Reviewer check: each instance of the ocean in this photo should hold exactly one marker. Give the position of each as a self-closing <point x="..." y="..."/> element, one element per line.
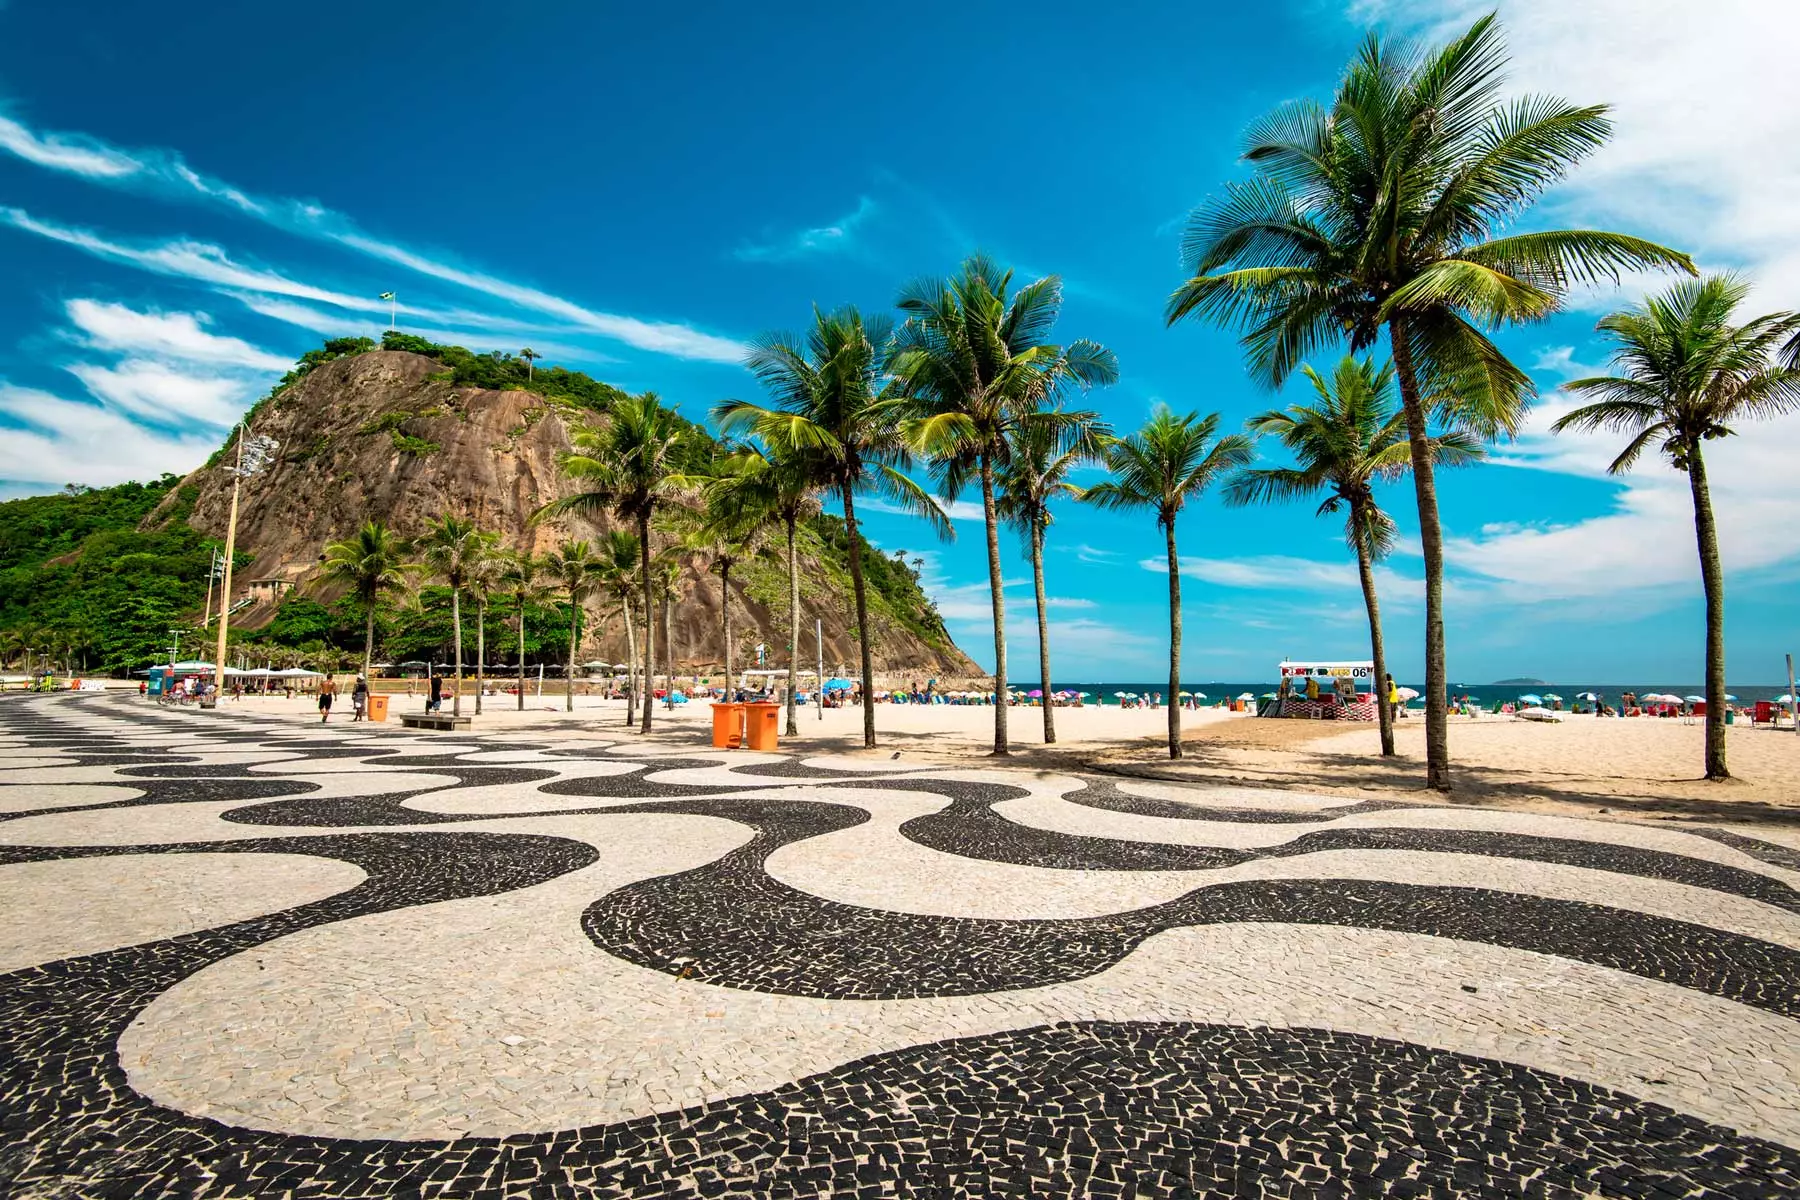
<point x="1485" y="694"/>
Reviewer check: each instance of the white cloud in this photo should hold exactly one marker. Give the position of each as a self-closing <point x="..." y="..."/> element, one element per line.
<point x="70" y="442"/>
<point x="166" y="395"/>
<point x="175" y="335"/>
<point x="166" y="172"/>
<point x="65" y="152"/>
<point x="838" y="236"/>
<point x="956" y="510"/>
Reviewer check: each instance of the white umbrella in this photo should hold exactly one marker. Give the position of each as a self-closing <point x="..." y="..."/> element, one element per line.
<point x="1406" y="693"/>
<point x="1537" y="713"/>
<point x="1248" y="696"/>
<point x="1784" y="699"/>
<point x="1199" y="695"/>
<point x="1587" y="696"/>
<point x="1551" y="696"/>
<point x="1694" y="699"/>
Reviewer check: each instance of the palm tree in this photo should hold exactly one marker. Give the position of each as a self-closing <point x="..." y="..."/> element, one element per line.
<point x="830" y="415"/>
<point x="373" y="563"/>
<point x="974" y="364"/>
<point x="574" y="565"/>
<point x="1040" y="455"/>
<point x="1384" y="212"/>
<point x="1161" y="467"/>
<point x="452" y="548"/>
<point x="523" y="583"/>
<point x="1685" y="375"/>
<point x="1350" y="438"/>
<point x="756" y="488"/>
<point x="629" y="468"/>
<point x="486" y="578"/>
<point x="530" y="356"/>
<point x="668" y="581"/>
<point x="618" y="572"/>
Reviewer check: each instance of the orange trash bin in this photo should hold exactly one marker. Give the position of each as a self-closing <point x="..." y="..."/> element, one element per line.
<point x="728" y="726"/>
<point x="762" y="724"/>
<point x="377" y="707"/>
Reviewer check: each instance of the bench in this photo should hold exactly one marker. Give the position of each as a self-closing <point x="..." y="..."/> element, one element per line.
<point x="439" y="721"/>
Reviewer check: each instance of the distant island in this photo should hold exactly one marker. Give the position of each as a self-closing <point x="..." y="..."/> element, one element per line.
<point x="1516" y="682"/>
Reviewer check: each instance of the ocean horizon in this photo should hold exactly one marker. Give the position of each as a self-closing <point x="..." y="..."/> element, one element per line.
<point x="1483" y="693"/>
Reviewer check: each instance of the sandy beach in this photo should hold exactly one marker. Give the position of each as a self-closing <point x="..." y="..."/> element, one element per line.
<point x="1630" y="767"/>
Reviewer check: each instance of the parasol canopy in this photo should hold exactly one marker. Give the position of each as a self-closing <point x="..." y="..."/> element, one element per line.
<point x="1406" y="693"/>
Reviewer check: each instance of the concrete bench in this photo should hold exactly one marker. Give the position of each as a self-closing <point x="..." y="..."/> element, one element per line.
<point x="440" y="721"/>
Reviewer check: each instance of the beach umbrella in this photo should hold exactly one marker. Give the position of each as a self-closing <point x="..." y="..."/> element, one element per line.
<point x="1784" y="699"/>
<point x="1037" y="693"/>
<point x="1084" y="695"/>
<point x="1197" y="695"/>
<point x="1587" y="695"/>
<point x="1184" y="695"/>
<point x="1406" y="693"/>
<point x="1729" y="696"/>
<point x="1531" y="698"/>
<point x="1268" y="695"/>
<point x="1248" y="696"/>
<point x="1693" y="699"/>
<point x="1121" y="695"/>
<point x="1551" y="696"/>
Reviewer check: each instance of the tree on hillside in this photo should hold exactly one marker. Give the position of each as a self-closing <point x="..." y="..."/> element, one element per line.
<point x="974" y="363"/>
<point x="374" y="564"/>
<point x="1350" y="438"/>
<point x="1382" y="213"/>
<point x="628" y="467"/>
<point x="1685" y="376"/>
<point x="574" y="565"/>
<point x="1040" y="454"/>
<point x="451" y="549"/>
<point x="828" y="414"/>
<point x="530" y="356"/>
<point x="1166" y="463"/>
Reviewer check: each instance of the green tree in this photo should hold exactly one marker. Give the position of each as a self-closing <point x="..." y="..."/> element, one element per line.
<point x="575" y="567"/>
<point x="1350" y="438"/>
<point x="486" y="578"/>
<point x="1040" y="455"/>
<point x="1168" y="462"/>
<point x="627" y="467"/>
<point x="830" y="415"/>
<point x="522" y="582"/>
<point x="374" y="564"/>
<point x="451" y="549"/>
<point x="1686" y="375"/>
<point x="530" y="356"/>
<point x="1383" y="212"/>
<point x="620" y="555"/>
<point x="974" y="362"/>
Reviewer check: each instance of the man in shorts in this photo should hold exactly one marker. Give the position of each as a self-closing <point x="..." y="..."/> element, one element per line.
<point x="327" y="690"/>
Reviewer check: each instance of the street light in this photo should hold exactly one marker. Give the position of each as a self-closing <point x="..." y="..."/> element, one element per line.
<point x="252" y="456"/>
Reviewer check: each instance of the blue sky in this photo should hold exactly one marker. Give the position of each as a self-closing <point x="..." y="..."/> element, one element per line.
<point x="191" y="197"/>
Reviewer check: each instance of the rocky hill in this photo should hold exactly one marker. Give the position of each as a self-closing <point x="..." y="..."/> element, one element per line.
<point x="393" y="435"/>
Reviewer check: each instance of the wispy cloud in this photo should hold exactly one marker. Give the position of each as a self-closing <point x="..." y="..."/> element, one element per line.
<point x="834" y="238"/>
<point x="164" y="172"/>
<point x="956" y="510"/>
<point x="106" y="326"/>
<point x="57" y="441"/>
<point x="163" y="395"/>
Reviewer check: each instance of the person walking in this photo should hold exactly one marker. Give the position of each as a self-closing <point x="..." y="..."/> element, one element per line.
<point x="327" y="691"/>
<point x="359" y="698"/>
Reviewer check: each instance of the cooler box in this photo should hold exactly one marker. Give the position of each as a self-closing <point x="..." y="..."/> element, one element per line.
<point x="728" y="726"/>
<point x="762" y="724"/>
<point x="378" y="706"/>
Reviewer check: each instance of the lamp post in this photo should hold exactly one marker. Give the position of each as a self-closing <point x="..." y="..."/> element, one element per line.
<point x="259" y="450"/>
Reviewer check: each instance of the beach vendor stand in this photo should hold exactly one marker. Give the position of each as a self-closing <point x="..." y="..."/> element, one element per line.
<point x="1345" y="691"/>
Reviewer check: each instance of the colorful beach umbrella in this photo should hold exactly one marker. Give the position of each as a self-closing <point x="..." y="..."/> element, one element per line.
<point x="1531" y="698"/>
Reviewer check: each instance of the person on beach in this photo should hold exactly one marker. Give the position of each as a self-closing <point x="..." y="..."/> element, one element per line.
<point x="1312" y="689"/>
<point x="437" y="693"/>
<point x="327" y="690"/>
<point x="359" y="698"/>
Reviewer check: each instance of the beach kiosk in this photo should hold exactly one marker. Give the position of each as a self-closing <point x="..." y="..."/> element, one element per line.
<point x="1345" y="691"/>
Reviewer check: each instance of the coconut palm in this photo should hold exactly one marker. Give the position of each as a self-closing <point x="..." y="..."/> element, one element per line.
<point x="1040" y="455"/>
<point x="1168" y="462"/>
<point x="451" y="548"/>
<point x="668" y="568"/>
<point x="1352" y="437"/>
<point x="1685" y="375"/>
<point x="629" y="467"/>
<point x="575" y="566"/>
<point x="374" y="564"/>
<point x="728" y="532"/>
<point x="756" y="488"/>
<point x="1384" y="212"/>
<point x="530" y="356"/>
<point x="618" y="574"/>
<point x="522" y="581"/>
<point x="486" y="580"/>
<point x="830" y="416"/>
<point x="974" y="362"/>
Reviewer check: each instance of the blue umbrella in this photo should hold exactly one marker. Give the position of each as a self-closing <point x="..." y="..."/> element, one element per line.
<point x="838" y="685"/>
<point x="1531" y="699"/>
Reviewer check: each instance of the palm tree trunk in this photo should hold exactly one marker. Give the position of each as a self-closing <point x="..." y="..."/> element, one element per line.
<point x="669" y="632"/>
<point x="631" y="655"/>
<point x="574" y="644"/>
<point x="1712" y="578"/>
<point x="480" y="649"/>
<point x="793" y="705"/>
<point x="521" y="653"/>
<point x="1431" y="542"/>
<point x="1037" y="582"/>
<point x="862" y="617"/>
<point x="368" y="638"/>
<point x="998" y="597"/>
<point x="649" y="621"/>
<point x="456" y="626"/>
<point x="725" y="612"/>
<point x="1174" y="641"/>
<point x="1365" y="568"/>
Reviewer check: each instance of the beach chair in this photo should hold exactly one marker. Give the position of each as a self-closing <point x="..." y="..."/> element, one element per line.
<point x="1763" y="714"/>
